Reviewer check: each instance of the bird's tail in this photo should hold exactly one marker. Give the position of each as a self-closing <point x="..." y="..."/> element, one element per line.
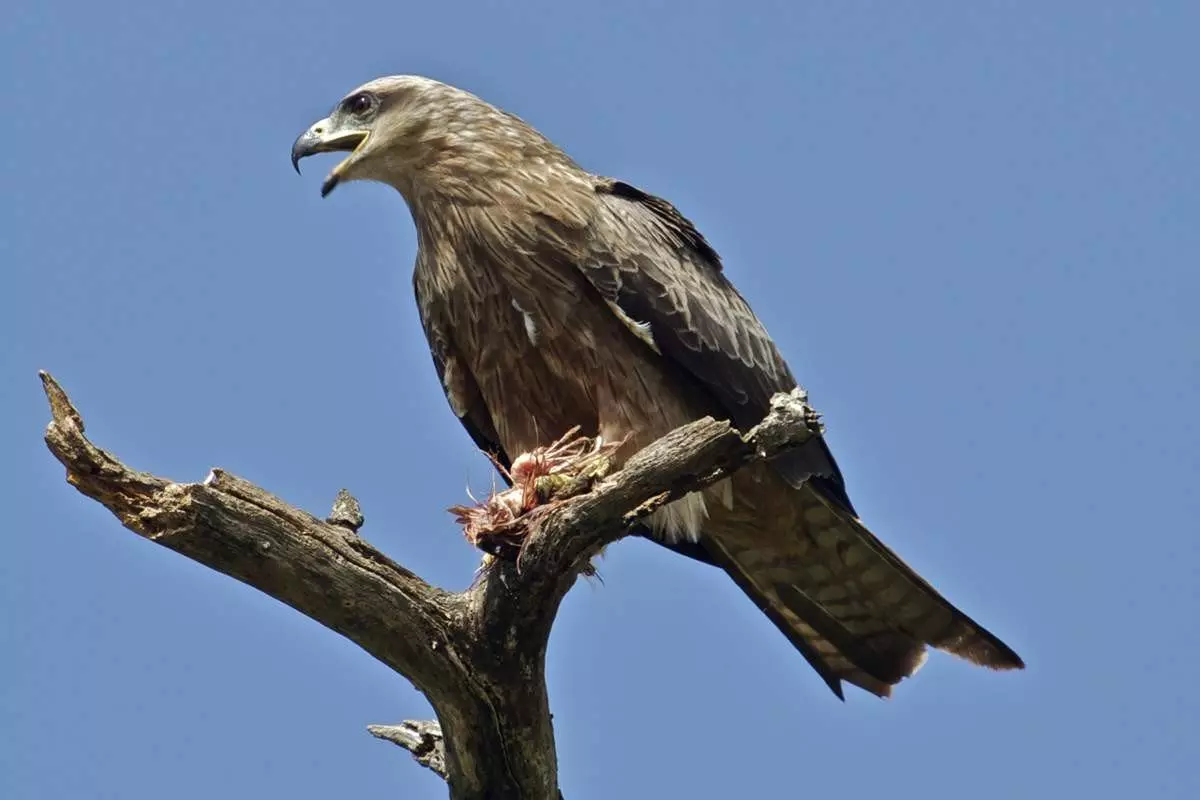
<point x="847" y="602"/>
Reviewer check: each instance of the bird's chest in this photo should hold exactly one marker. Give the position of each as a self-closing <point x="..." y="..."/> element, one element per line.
<point x="550" y="355"/>
<point x="538" y="320"/>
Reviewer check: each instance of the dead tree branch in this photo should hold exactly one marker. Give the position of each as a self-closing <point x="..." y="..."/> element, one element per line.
<point x="477" y="655"/>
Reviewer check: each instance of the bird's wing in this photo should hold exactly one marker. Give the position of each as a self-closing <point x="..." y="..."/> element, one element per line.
<point x="466" y="401"/>
<point x="649" y="260"/>
<point x="852" y="607"/>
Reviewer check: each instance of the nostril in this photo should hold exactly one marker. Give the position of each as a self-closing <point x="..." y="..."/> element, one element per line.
<point x="318" y="130"/>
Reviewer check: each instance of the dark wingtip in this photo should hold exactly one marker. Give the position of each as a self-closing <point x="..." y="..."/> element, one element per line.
<point x="1009" y="660"/>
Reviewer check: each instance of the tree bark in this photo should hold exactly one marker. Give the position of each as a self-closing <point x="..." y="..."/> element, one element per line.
<point x="477" y="655"/>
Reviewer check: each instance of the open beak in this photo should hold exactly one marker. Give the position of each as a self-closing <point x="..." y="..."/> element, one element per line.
<point x="325" y="137"/>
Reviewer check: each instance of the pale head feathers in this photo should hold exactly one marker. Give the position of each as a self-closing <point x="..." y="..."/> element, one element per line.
<point x="427" y="137"/>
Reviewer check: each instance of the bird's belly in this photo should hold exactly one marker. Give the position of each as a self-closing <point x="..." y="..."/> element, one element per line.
<point x="582" y="373"/>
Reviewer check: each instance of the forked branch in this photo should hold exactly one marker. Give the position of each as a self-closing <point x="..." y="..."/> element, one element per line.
<point x="478" y="655"/>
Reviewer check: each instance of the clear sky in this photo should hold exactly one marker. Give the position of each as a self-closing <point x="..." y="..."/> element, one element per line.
<point x="972" y="228"/>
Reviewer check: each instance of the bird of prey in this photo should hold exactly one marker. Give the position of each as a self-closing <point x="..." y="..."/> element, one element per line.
<point x="553" y="298"/>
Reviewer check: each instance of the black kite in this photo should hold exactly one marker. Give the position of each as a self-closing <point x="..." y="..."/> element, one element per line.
<point x="552" y="297"/>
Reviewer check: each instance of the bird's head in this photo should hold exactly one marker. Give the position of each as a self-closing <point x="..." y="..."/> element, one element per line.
<point x="380" y="124"/>
<point x="413" y="133"/>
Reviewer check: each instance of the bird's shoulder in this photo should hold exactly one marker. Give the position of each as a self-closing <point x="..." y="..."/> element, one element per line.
<point x="653" y="263"/>
<point x="662" y="213"/>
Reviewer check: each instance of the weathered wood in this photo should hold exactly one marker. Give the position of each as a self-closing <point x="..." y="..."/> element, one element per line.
<point x="422" y="738"/>
<point x="477" y="655"/>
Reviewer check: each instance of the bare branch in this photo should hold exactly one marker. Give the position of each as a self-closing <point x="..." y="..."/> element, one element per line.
<point x="478" y="655"/>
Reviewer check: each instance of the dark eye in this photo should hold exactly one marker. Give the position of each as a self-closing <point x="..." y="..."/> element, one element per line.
<point x="359" y="104"/>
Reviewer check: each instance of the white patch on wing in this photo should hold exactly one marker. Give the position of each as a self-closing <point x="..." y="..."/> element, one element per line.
<point x="682" y="519"/>
<point x="639" y="329"/>
<point x="531" y="329"/>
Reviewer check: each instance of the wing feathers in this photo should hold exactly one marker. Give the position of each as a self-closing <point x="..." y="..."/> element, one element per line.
<point x="462" y="392"/>
<point x="648" y="260"/>
<point x="867" y="617"/>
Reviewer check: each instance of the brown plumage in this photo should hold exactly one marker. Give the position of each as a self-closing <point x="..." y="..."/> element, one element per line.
<point x="553" y="298"/>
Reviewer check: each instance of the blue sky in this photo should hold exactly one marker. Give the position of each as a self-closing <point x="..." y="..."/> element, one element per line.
<point x="971" y="227"/>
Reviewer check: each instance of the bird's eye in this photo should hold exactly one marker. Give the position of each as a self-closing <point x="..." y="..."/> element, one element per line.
<point x="359" y="104"/>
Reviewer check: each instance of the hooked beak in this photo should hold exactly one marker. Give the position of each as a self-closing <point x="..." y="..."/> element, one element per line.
<point x="325" y="137"/>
